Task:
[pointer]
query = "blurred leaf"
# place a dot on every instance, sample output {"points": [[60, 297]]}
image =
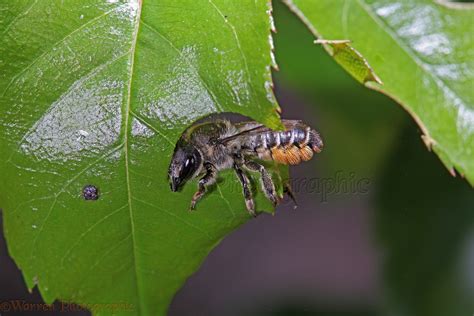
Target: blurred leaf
{"points": [[423, 52], [301, 309], [97, 92], [424, 219]]}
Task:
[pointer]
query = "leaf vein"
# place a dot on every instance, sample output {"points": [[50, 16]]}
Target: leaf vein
{"points": [[229, 207], [83, 26], [175, 216], [56, 195], [390, 31], [86, 232], [94, 71], [126, 117], [27, 10], [190, 64], [142, 120], [100, 259], [239, 46]]}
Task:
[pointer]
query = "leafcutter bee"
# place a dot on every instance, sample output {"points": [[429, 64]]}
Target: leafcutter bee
{"points": [[206, 148]]}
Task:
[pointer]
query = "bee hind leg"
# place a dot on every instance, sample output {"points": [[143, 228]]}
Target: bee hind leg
{"points": [[268, 186], [208, 179], [244, 180], [288, 191]]}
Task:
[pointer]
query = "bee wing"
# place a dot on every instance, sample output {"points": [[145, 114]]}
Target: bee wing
{"points": [[250, 125], [253, 128]]}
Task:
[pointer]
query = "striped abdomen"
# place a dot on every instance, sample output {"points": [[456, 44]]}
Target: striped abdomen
{"points": [[292, 146]]}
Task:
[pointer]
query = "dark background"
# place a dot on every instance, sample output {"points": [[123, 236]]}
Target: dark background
{"points": [[384, 229]]}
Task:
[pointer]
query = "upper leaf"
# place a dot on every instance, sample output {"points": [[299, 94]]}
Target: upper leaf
{"points": [[97, 92], [423, 53]]}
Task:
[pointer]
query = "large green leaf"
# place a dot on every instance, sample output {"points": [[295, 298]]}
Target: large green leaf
{"points": [[97, 92], [422, 51], [346, 125]]}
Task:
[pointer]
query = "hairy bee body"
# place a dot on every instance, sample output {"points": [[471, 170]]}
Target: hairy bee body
{"points": [[292, 146], [205, 138], [206, 148]]}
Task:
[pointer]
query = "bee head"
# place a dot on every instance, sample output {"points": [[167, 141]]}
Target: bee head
{"points": [[184, 165]]}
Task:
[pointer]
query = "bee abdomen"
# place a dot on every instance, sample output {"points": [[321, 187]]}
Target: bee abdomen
{"points": [[290, 147]]}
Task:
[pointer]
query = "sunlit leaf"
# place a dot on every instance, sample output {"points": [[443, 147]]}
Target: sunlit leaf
{"points": [[423, 53], [97, 93]]}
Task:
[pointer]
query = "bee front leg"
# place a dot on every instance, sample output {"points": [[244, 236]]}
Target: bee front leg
{"points": [[208, 179], [268, 186], [246, 190]]}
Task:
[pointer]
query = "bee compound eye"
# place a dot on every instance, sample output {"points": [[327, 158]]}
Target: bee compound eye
{"points": [[189, 162], [90, 192]]}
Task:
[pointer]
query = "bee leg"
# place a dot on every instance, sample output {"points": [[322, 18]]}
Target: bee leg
{"points": [[208, 179], [266, 180], [287, 189], [246, 190]]}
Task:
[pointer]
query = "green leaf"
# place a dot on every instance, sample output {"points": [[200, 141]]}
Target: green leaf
{"points": [[97, 92], [422, 52], [350, 59], [309, 71]]}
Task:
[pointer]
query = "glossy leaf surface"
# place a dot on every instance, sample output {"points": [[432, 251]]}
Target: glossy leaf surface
{"points": [[422, 53], [97, 93]]}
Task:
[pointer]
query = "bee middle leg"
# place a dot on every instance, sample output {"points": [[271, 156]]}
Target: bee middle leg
{"points": [[208, 179], [268, 186], [244, 180]]}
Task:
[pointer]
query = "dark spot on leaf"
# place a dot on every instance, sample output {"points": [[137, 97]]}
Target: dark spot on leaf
{"points": [[90, 192]]}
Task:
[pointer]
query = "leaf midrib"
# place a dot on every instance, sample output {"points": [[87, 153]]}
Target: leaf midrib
{"points": [[126, 117]]}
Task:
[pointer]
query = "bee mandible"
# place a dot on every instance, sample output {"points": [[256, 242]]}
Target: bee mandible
{"points": [[206, 148]]}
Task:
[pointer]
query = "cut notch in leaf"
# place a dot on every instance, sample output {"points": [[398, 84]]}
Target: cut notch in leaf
{"points": [[424, 56], [350, 59]]}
